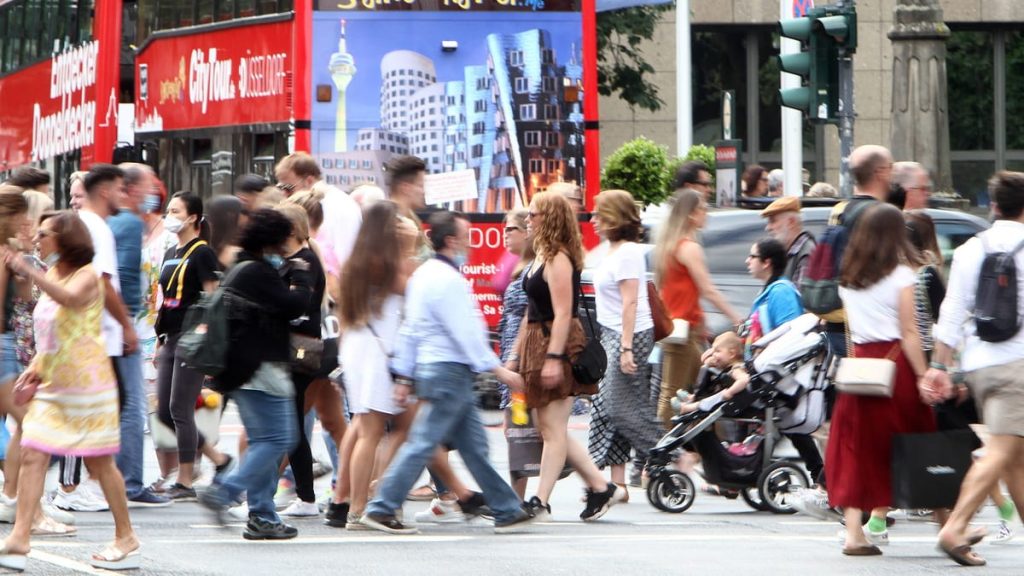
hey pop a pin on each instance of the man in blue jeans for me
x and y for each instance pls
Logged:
(443, 345)
(128, 229)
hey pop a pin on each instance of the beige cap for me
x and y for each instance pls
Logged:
(784, 204)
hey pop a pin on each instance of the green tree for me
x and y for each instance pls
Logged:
(621, 66)
(639, 167)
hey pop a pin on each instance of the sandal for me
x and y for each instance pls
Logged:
(962, 555)
(113, 558)
(12, 560)
(48, 527)
(868, 550)
(424, 493)
(976, 536)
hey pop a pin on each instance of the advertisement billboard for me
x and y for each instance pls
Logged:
(456, 86)
(225, 77)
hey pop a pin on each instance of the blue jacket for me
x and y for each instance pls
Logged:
(777, 304)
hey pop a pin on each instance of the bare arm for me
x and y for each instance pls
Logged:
(558, 273)
(76, 294)
(629, 290)
(691, 255)
(113, 304)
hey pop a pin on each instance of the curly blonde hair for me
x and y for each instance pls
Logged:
(558, 230)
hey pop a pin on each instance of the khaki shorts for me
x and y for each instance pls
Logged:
(999, 391)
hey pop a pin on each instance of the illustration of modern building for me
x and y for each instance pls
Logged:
(403, 73)
(427, 125)
(343, 69)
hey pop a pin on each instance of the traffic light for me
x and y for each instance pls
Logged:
(825, 34)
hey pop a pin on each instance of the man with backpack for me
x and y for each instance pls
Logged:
(982, 312)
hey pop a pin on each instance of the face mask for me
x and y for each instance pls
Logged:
(173, 224)
(274, 260)
(151, 203)
(460, 258)
(52, 259)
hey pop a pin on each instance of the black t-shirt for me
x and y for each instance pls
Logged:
(310, 321)
(181, 282)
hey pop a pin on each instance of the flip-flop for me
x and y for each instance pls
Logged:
(11, 560)
(49, 527)
(959, 554)
(868, 550)
(113, 558)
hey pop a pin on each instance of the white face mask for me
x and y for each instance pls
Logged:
(173, 224)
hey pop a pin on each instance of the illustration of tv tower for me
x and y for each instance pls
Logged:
(343, 68)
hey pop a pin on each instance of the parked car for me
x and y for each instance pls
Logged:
(730, 233)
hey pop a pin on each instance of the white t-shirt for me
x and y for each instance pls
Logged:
(873, 314)
(337, 235)
(625, 263)
(105, 262)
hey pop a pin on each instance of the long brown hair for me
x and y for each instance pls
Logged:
(370, 273)
(921, 228)
(558, 230)
(12, 205)
(674, 228)
(877, 246)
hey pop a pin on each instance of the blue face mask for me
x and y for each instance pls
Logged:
(151, 203)
(274, 260)
(460, 259)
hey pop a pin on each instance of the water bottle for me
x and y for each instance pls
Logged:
(519, 414)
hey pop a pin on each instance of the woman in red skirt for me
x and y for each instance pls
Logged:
(877, 287)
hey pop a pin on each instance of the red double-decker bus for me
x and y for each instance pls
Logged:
(59, 83)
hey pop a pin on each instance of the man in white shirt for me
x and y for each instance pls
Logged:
(995, 370)
(443, 344)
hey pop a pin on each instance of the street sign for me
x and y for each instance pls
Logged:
(728, 114)
(728, 167)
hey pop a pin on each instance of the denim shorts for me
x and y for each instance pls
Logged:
(10, 368)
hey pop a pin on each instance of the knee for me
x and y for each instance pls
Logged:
(182, 409)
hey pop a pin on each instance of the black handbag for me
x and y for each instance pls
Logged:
(927, 469)
(589, 366)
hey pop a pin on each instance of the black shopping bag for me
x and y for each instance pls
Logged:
(524, 448)
(927, 469)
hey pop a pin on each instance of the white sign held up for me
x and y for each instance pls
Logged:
(450, 186)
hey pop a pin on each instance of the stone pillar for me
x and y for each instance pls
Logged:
(920, 102)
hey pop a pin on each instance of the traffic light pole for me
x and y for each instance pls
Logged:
(846, 113)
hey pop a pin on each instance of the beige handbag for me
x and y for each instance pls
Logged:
(866, 376)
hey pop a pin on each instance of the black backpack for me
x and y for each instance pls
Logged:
(996, 315)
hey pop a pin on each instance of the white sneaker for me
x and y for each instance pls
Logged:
(1005, 533)
(284, 496)
(441, 512)
(240, 512)
(8, 509)
(93, 488)
(78, 500)
(300, 509)
(877, 538)
(57, 515)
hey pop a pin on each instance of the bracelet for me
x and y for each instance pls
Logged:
(625, 349)
(551, 356)
(938, 366)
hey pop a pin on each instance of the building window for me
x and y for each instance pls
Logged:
(477, 150)
(550, 112)
(527, 111)
(479, 128)
(522, 85)
(548, 55)
(554, 166)
(551, 140)
(549, 84)
(515, 57)
(536, 165)
(480, 106)
(532, 138)
(367, 164)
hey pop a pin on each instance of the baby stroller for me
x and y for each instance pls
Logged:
(789, 374)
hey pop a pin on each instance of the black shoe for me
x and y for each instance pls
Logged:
(476, 505)
(179, 493)
(148, 499)
(513, 525)
(337, 515)
(221, 470)
(598, 503)
(260, 529)
(386, 523)
(208, 499)
(540, 511)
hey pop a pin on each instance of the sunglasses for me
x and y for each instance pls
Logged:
(703, 182)
(513, 228)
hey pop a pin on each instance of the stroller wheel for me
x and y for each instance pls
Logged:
(752, 496)
(671, 491)
(776, 482)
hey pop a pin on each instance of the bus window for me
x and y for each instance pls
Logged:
(12, 56)
(205, 12)
(3, 38)
(246, 8)
(30, 50)
(225, 10)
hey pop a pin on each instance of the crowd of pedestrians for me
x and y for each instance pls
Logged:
(97, 298)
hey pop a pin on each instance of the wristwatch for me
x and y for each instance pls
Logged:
(551, 356)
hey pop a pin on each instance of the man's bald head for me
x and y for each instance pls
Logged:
(871, 169)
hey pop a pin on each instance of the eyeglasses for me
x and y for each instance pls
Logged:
(703, 182)
(285, 187)
(512, 228)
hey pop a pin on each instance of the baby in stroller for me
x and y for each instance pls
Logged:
(722, 377)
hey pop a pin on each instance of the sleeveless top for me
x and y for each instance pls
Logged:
(539, 307)
(679, 292)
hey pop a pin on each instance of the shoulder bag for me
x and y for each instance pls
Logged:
(662, 321)
(866, 376)
(588, 367)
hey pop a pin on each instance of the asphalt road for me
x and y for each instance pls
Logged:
(716, 536)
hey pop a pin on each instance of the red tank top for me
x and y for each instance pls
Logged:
(680, 292)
